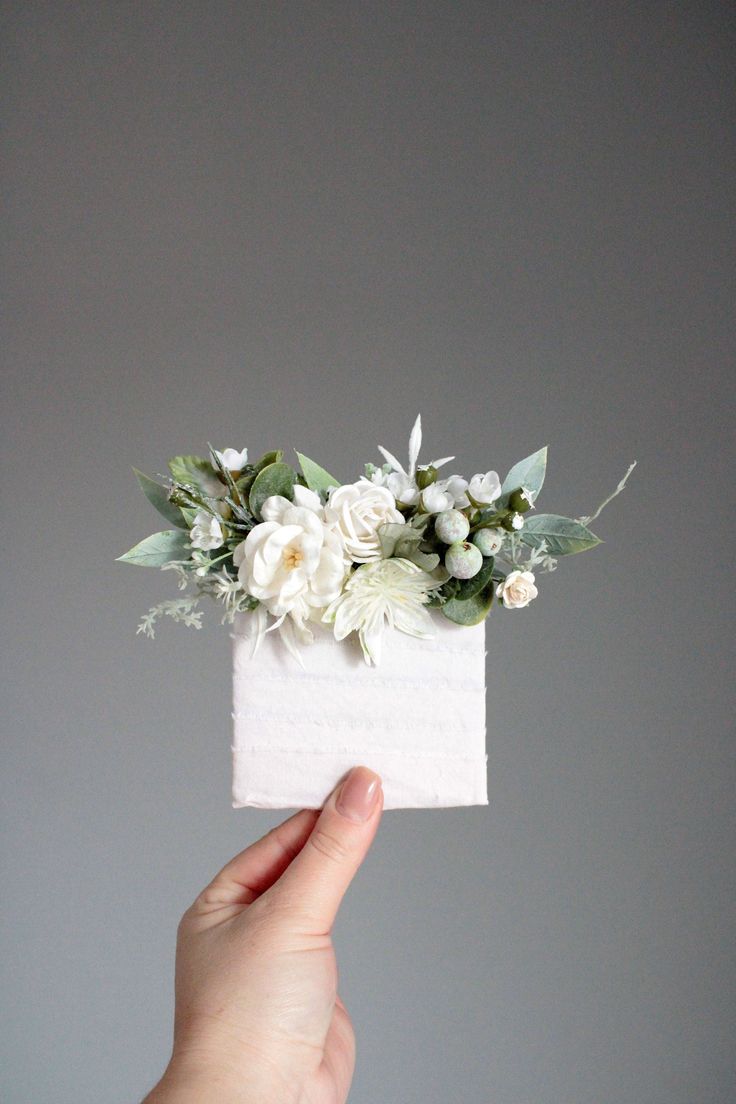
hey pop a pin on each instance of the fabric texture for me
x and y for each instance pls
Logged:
(418, 719)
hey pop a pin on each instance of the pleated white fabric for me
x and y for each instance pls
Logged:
(418, 719)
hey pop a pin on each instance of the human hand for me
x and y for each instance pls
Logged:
(257, 1017)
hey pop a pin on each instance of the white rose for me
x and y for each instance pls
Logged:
(292, 562)
(206, 533)
(517, 589)
(485, 488)
(356, 510)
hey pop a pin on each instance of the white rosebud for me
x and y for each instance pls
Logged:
(206, 533)
(356, 511)
(517, 521)
(233, 460)
(517, 589)
(485, 488)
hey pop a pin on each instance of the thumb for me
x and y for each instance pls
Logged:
(314, 884)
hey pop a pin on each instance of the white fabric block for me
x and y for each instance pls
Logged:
(418, 719)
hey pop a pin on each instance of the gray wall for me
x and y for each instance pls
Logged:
(298, 224)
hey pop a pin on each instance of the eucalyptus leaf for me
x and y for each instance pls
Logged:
(269, 458)
(471, 611)
(317, 479)
(470, 587)
(527, 473)
(158, 496)
(274, 479)
(191, 469)
(159, 549)
(396, 539)
(563, 536)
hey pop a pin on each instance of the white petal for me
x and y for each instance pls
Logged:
(389, 456)
(415, 443)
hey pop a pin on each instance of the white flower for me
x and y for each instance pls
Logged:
(436, 499)
(386, 591)
(206, 533)
(292, 561)
(233, 460)
(517, 589)
(401, 481)
(445, 494)
(357, 510)
(456, 486)
(517, 521)
(485, 488)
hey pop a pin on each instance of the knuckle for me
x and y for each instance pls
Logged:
(329, 845)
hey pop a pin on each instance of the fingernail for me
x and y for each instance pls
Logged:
(358, 794)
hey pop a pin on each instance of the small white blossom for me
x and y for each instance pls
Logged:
(517, 521)
(233, 460)
(206, 533)
(517, 589)
(485, 488)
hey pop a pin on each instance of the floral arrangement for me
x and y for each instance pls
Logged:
(293, 546)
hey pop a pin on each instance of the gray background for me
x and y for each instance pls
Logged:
(298, 224)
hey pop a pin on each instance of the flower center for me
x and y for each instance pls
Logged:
(292, 557)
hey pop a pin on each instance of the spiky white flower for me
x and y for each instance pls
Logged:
(206, 533)
(402, 481)
(384, 592)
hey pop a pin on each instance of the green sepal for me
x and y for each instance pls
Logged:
(158, 496)
(563, 536)
(274, 479)
(316, 478)
(159, 549)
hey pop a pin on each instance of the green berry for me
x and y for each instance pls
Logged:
(451, 526)
(463, 560)
(489, 541)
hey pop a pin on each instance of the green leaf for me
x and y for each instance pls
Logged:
(394, 536)
(158, 496)
(471, 611)
(317, 478)
(191, 469)
(269, 458)
(428, 561)
(274, 479)
(527, 473)
(470, 587)
(563, 536)
(159, 549)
